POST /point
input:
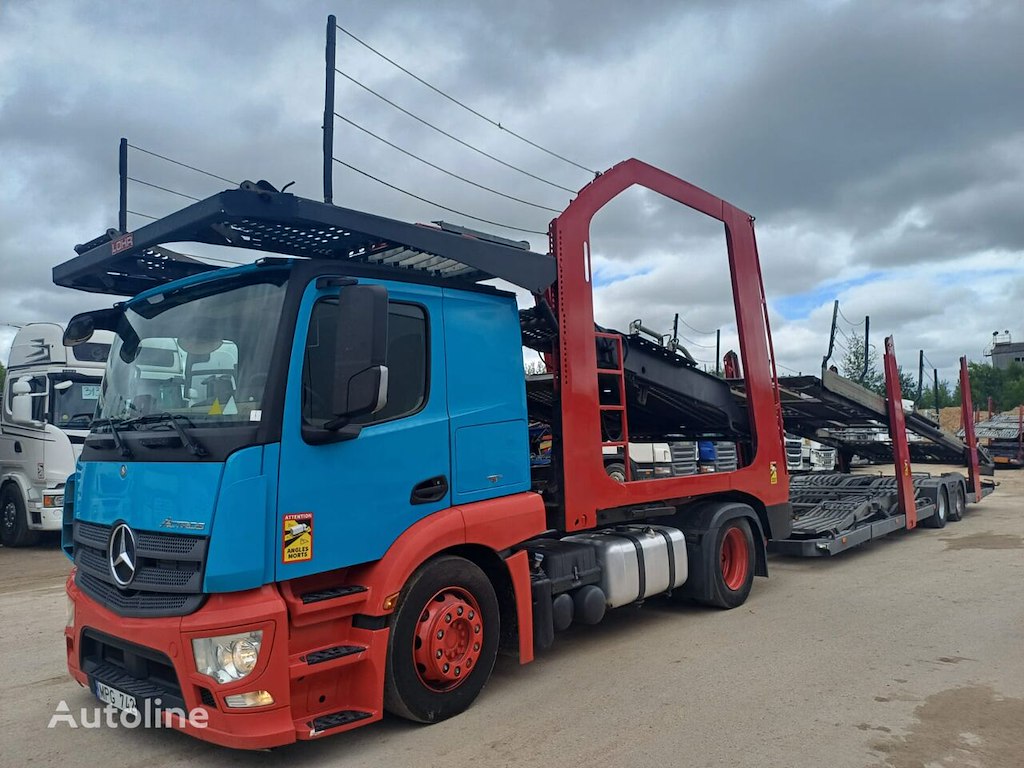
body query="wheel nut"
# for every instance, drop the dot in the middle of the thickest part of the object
(460, 610)
(440, 653)
(445, 668)
(471, 615)
(476, 629)
(440, 634)
(458, 671)
(448, 618)
(476, 646)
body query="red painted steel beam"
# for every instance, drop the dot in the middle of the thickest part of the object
(966, 407)
(898, 435)
(586, 486)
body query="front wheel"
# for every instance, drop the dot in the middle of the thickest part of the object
(14, 530)
(733, 566)
(443, 642)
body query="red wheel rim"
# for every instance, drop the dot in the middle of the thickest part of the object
(448, 640)
(735, 557)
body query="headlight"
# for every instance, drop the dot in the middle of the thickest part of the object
(53, 502)
(69, 620)
(228, 657)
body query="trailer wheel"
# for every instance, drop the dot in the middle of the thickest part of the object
(938, 520)
(959, 505)
(616, 471)
(14, 530)
(443, 642)
(734, 561)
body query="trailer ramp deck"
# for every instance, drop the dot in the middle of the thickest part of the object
(841, 413)
(666, 393)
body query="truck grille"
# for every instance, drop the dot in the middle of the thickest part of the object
(168, 577)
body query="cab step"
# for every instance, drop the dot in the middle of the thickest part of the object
(331, 593)
(336, 720)
(335, 652)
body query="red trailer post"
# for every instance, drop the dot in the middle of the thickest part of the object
(973, 475)
(898, 435)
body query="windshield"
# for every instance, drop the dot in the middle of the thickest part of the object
(201, 352)
(74, 402)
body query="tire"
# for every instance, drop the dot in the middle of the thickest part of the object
(938, 520)
(959, 504)
(429, 678)
(734, 559)
(14, 530)
(616, 471)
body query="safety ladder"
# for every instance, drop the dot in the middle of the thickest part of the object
(617, 372)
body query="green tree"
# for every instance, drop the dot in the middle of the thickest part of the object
(947, 395)
(852, 365)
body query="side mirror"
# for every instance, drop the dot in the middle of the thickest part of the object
(21, 402)
(360, 375)
(82, 326)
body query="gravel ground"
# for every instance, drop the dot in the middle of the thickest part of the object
(903, 653)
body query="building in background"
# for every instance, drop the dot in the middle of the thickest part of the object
(1004, 350)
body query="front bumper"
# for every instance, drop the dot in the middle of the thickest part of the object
(42, 518)
(156, 663)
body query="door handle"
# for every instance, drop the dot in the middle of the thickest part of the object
(430, 490)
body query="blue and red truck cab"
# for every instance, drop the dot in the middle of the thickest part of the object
(307, 495)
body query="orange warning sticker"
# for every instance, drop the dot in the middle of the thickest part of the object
(297, 538)
(773, 473)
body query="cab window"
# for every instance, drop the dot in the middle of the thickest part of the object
(406, 361)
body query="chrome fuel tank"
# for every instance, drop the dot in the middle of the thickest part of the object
(637, 561)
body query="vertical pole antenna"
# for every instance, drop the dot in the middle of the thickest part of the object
(329, 59)
(122, 179)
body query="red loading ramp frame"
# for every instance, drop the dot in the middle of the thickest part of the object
(586, 488)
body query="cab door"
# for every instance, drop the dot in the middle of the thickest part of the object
(345, 502)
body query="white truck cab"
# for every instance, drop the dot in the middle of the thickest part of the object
(49, 398)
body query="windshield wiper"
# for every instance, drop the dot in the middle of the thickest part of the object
(122, 446)
(196, 448)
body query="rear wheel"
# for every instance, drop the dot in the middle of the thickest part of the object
(938, 520)
(959, 504)
(734, 560)
(616, 471)
(14, 530)
(443, 642)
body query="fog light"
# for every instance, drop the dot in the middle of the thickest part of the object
(251, 699)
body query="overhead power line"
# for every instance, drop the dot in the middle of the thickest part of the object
(183, 165)
(436, 205)
(454, 175)
(848, 320)
(454, 138)
(465, 106)
(697, 330)
(162, 189)
(143, 215)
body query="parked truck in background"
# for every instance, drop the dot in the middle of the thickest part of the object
(49, 397)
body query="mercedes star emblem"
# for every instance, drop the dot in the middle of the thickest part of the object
(121, 554)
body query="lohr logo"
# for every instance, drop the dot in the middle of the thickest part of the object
(123, 243)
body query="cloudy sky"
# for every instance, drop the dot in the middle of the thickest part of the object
(880, 145)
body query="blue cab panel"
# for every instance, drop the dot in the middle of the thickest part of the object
(356, 495)
(486, 396)
(232, 499)
(151, 496)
